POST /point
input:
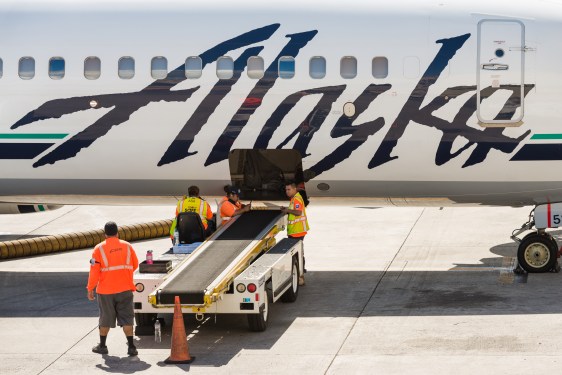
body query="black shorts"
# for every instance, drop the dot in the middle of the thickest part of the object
(118, 306)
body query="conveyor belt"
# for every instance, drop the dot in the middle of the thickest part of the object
(284, 246)
(191, 283)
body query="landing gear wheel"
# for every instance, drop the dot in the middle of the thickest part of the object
(537, 253)
(292, 293)
(258, 322)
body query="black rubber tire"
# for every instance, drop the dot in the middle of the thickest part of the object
(545, 235)
(142, 319)
(258, 322)
(292, 293)
(537, 253)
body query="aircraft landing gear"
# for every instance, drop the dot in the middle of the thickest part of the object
(537, 251)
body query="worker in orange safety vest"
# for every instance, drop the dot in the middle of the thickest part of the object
(194, 203)
(111, 274)
(231, 205)
(297, 226)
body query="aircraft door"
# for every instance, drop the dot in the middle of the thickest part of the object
(261, 174)
(500, 71)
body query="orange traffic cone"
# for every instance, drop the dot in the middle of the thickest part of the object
(179, 351)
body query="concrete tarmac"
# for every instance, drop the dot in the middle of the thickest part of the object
(388, 291)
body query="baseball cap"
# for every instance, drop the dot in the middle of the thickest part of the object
(232, 190)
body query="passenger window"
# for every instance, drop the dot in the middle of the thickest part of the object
(92, 67)
(56, 68)
(348, 67)
(159, 67)
(225, 67)
(255, 67)
(1, 68)
(286, 67)
(317, 67)
(26, 68)
(126, 69)
(193, 67)
(380, 67)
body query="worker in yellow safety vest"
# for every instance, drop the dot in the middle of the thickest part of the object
(297, 226)
(194, 203)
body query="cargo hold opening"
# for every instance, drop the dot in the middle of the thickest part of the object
(261, 174)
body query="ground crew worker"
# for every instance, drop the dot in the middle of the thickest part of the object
(231, 205)
(193, 203)
(111, 274)
(297, 225)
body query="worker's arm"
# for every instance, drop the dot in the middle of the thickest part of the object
(209, 211)
(241, 210)
(230, 210)
(286, 210)
(295, 208)
(227, 209)
(95, 271)
(134, 259)
(174, 221)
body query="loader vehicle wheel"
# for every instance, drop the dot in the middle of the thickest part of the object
(258, 322)
(292, 293)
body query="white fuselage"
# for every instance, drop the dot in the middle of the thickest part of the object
(416, 131)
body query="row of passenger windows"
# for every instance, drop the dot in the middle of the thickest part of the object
(194, 67)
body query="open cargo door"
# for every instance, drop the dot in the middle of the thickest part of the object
(261, 174)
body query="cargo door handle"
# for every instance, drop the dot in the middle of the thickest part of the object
(495, 67)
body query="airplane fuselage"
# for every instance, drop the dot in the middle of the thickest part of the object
(415, 100)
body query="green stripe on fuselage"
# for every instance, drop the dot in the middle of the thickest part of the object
(546, 136)
(32, 136)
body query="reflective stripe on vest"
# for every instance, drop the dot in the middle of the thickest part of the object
(202, 208)
(297, 220)
(126, 266)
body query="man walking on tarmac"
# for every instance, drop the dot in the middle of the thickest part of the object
(297, 226)
(111, 273)
(194, 203)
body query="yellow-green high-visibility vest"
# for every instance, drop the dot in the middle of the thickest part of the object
(191, 204)
(297, 225)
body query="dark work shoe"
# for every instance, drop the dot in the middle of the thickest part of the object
(132, 350)
(100, 349)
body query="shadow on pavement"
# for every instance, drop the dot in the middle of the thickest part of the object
(348, 294)
(45, 294)
(463, 290)
(125, 365)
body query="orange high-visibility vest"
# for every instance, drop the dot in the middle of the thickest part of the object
(227, 209)
(112, 265)
(297, 225)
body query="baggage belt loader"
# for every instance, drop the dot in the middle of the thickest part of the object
(240, 269)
